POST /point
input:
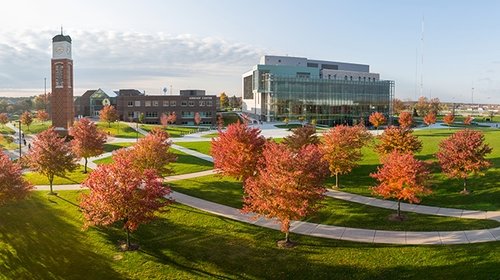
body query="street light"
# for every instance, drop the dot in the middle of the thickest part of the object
(19, 138)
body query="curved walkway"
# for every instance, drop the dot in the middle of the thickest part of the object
(327, 231)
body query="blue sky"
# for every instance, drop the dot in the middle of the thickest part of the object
(205, 44)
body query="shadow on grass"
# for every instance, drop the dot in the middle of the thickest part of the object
(37, 243)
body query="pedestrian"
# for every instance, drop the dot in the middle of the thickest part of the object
(29, 146)
(24, 141)
(22, 134)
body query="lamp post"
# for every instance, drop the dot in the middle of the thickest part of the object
(19, 138)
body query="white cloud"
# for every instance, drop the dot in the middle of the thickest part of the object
(113, 58)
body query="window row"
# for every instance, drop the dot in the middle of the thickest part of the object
(167, 103)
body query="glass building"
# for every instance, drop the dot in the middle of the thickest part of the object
(326, 91)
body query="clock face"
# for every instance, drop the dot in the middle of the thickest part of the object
(68, 50)
(59, 50)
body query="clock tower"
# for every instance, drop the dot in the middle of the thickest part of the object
(61, 100)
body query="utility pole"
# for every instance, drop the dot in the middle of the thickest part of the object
(20, 138)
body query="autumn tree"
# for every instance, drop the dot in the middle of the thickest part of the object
(141, 118)
(287, 185)
(377, 119)
(152, 152)
(224, 101)
(108, 114)
(172, 118)
(26, 119)
(422, 106)
(164, 120)
(463, 154)
(122, 194)
(236, 151)
(12, 184)
(197, 118)
(42, 101)
(42, 116)
(401, 177)
(341, 147)
(468, 120)
(405, 120)
(88, 140)
(435, 105)
(301, 136)
(449, 119)
(4, 118)
(398, 139)
(430, 118)
(398, 106)
(51, 156)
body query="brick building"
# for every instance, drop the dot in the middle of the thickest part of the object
(131, 103)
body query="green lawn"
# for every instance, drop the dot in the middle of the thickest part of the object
(185, 163)
(119, 129)
(36, 127)
(42, 238)
(75, 177)
(109, 147)
(6, 130)
(486, 189)
(173, 131)
(230, 117)
(7, 143)
(201, 147)
(227, 191)
(211, 135)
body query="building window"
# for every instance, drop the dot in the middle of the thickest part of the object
(59, 76)
(329, 76)
(151, 115)
(351, 78)
(202, 103)
(147, 103)
(156, 103)
(364, 79)
(209, 103)
(191, 103)
(184, 103)
(165, 103)
(345, 78)
(138, 103)
(130, 114)
(187, 114)
(130, 104)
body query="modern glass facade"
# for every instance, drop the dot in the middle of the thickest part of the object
(327, 101)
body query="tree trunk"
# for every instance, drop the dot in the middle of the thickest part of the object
(465, 185)
(85, 169)
(337, 180)
(287, 237)
(128, 238)
(399, 208)
(51, 179)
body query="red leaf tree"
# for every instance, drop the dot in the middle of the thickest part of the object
(401, 177)
(197, 118)
(236, 151)
(164, 120)
(121, 194)
(88, 140)
(463, 154)
(300, 137)
(108, 114)
(42, 116)
(51, 156)
(287, 185)
(151, 152)
(398, 139)
(377, 119)
(172, 118)
(341, 148)
(430, 118)
(12, 184)
(449, 119)
(398, 106)
(405, 120)
(4, 118)
(26, 119)
(468, 120)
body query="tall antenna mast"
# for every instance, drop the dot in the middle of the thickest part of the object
(416, 74)
(422, 61)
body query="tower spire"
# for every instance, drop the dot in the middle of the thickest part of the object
(61, 30)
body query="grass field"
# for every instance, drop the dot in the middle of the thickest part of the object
(185, 163)
(36, 127)
(227, 191)
(119, 129)
(109, 147)
(6, 130)
(201, 147)
(75, 177)
(7, 143)
(173, 131)
(42, 238)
